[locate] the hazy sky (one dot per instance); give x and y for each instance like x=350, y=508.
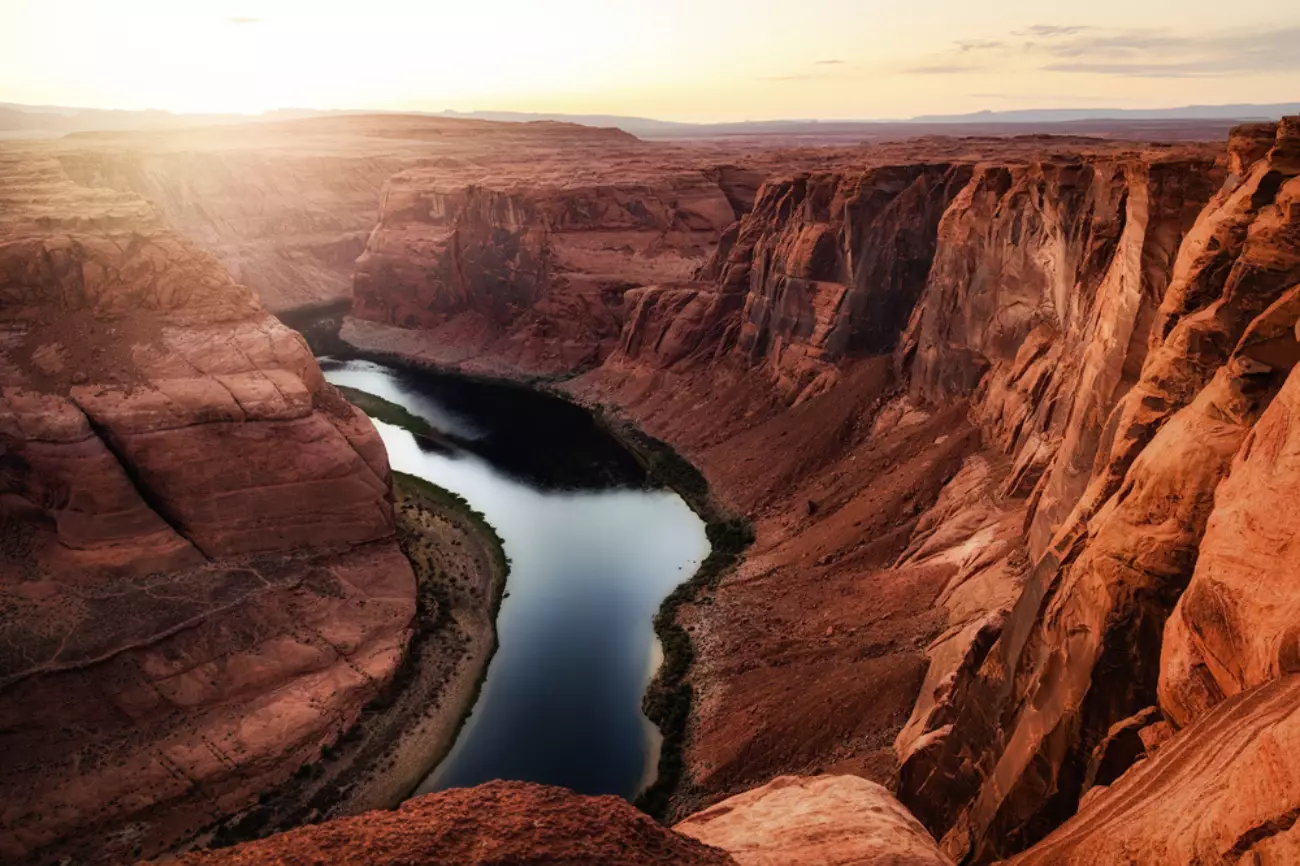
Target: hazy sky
x=673, y=59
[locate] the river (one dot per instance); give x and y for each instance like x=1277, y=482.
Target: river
x=593, y=552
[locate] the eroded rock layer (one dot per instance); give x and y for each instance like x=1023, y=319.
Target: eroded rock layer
x=492, y=825
x=1011, y=419
x=200, y=581
x=1116, y=329
x=533, y=275
x=830, y=820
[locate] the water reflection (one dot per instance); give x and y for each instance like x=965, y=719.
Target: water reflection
x=593, y=553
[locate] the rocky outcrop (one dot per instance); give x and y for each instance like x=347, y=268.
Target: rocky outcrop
x=830, y=820
x=1224, y=790
x=1080, y=651
x=200, y=578
x=533, y=275
x=288, y=207
x=492, y=825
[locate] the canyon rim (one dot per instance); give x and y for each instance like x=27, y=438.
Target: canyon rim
x=990, y=427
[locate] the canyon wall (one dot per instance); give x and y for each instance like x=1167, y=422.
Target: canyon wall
x=200, y=577
x=1011, y=420
x=531, y=275
x=288, y=207
x=283, y=207
x=981, y=412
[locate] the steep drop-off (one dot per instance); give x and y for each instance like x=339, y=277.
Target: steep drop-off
x=1011, y=419
x=981, y=411
x=530, y=275
x=201, y=584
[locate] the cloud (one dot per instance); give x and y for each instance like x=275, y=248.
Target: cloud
x=242, y=19
x=1048, y=31
x=1121, y=52
x=1158, y=54
x=828, y=62
x=942, y=69
x=965, y=46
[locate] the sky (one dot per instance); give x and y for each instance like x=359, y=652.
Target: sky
x=692, y=60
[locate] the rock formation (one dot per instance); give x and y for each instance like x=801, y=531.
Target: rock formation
x=830, y=820
x=497, y=823
x=1117, y=328
x=507, y=269
x=1011, y=419
x=827, y=820
x=200, y=578
x=972, y=550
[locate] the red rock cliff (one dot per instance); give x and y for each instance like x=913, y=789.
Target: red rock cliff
x=1117, y=323
x=201, y=583
x=533, y=273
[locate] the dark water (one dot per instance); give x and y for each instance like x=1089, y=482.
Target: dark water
x=593, y=553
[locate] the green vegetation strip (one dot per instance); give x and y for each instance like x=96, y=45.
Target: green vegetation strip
x=389, y=412
x=667, y=700
x=454, y=502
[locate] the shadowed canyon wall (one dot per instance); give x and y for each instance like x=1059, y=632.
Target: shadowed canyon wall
x=200, y=577
x=1011, y=419
x=981, y=412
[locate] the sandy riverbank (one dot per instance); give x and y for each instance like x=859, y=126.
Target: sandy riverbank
x=461, y=569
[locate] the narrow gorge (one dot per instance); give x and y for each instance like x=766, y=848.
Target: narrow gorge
x=1007, y=418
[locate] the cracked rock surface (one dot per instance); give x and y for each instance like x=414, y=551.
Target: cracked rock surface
x=199, y=582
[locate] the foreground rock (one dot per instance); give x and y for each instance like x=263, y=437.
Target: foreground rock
x=201, y=584
x=497, y=823
x=1224, y=790
x=829, y=820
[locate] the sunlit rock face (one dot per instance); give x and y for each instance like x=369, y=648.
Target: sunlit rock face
x=1092, y=640
x=1119, y=328
x=532, y=273
x=1010, y=418
x=834, y=820
x=200, y=575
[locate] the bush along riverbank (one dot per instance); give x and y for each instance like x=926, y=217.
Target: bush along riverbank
x=668, y=698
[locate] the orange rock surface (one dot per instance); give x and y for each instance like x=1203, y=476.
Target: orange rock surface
x=830, y=820
x=492, y=825
x=1011, y=419
x=200, y=579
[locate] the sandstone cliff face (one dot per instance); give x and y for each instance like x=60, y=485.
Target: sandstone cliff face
x=832, y=265
x=533, y=275
x=201, y=585
x=1122, y=325
x=1222, y=791
x=1003, y=284
x=1080, y=651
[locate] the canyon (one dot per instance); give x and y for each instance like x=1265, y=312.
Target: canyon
x=1009, y=418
